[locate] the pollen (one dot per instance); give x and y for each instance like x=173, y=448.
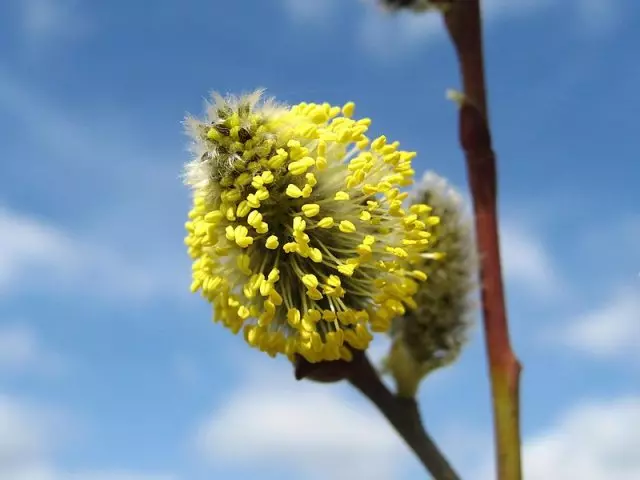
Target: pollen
x=297, y=230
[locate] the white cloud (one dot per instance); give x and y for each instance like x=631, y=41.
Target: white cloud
x=308, y=429
x=304, y=11
x=185, y=368
x=390, y=35
x=36, y=255
x=130, y=247
x=21, y=436
x=46, y=472
x=610, y=331
x=598, y=440
x=597, y=16
x=526, y=261
x=595, y=439
x=21, y=350
x=619, y=239
x=116, y=475
x=387, y=35
x=51, y=21
x=29, y=435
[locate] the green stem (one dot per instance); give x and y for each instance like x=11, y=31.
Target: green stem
x=463, y=22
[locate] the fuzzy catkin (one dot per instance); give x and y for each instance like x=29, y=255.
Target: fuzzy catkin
x=432, y=335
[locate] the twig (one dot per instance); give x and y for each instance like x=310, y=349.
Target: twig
x=404, y=415
x=463, y=22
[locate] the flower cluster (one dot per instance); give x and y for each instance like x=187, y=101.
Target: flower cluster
x=298, y=233
x=432, y=335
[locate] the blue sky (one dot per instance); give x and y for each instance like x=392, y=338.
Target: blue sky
x=110, y=370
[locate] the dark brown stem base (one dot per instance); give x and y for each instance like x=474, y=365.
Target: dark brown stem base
x=404, y=415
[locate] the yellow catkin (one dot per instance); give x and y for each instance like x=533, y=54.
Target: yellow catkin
x=303, y=249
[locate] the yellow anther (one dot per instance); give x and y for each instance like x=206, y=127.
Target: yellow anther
x=326, y=222
x=311, y=209
x=243, y=263
x=274, y=275
x=319, y=116
x=301, y=166
x=255, y=218
x=321, y=163
x=213, y=217
x=347, y=227
x=348, y=109
x=293, y=317
x=242, y=237
x=265, y=288
x=369, y=189
x=365, y=216
x=243, y=312
x=419, y=275
x=311, y=179
x=293, y=191
x=347, y=269
x=314, y=294
x=272, y=242
x=267, y=177
x=364, y=143
x=262, y=194
x=262, y=228
x=310, y=280
x=252, y=201
x=379, y=142
x=257, y=182
x=341, y=196
x=328, y=315
x=290, y=247
x=243, y=209
x=314, y=315
x=315, y=255
x=306, y=191
x=299, y=224
x=275, y=297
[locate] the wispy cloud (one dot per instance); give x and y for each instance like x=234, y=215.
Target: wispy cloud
x=308, y=429
x=304, y=11
x=387, y=35
x=130, y=245
x=595, y=440
x=47, y=23
x=598, y=17
x=609, y=331
x=527, y=262
x=35, y=255
x=22, y=351
x=30, y=436
x=26, y=434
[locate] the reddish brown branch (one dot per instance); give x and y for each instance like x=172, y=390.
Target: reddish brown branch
x=463, y=22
